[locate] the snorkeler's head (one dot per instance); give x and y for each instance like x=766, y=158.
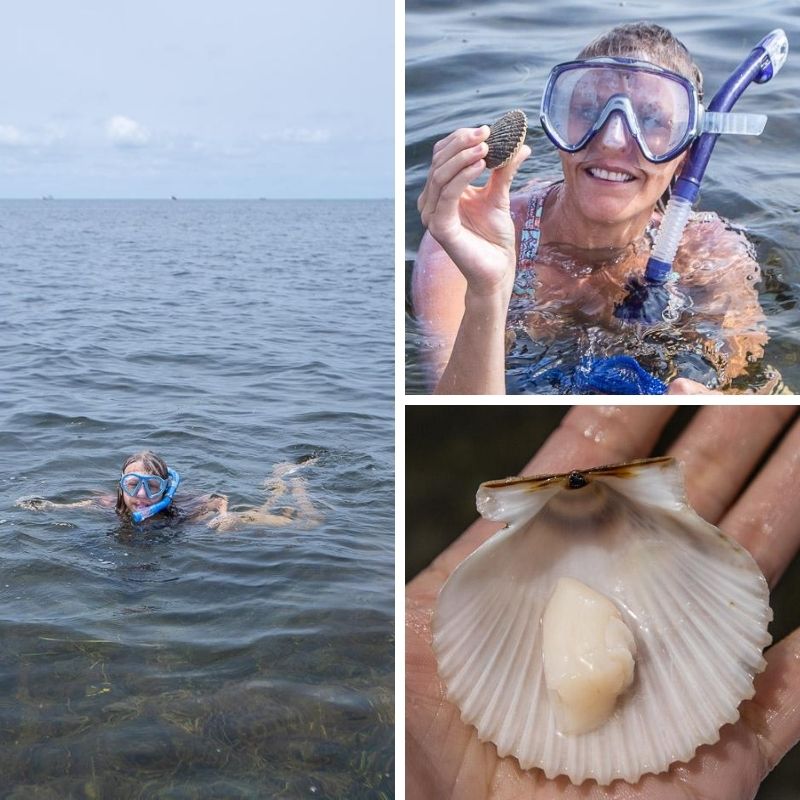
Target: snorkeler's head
x=648, y=42
x=141, y=493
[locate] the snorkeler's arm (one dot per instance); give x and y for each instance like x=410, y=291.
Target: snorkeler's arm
x=471, y=232
x=206, y=505
x=41, y=504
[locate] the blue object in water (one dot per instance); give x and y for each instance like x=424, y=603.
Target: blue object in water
x=618, y=374
x=648, y=298
x=174, y=481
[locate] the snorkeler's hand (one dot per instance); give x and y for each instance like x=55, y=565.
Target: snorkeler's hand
x=687, y=386
x=720, y=449
x=472, y=224
x=35, y=504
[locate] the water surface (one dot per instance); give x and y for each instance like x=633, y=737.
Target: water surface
x=227, y=336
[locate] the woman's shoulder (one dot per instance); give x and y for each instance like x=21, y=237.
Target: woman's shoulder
x=710, y=238
x=535, y=189
x=715, y=252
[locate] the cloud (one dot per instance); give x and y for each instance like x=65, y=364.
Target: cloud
x=126, y=132
x=299, y=135
x=11, y=136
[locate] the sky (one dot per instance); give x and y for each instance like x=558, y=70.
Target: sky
x=208, y=98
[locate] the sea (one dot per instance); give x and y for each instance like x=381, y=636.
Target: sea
x=174, y=661
x=467, y=63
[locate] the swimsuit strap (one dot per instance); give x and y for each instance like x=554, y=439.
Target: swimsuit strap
x=531, y=229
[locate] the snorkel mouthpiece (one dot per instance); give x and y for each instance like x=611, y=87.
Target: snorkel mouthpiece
x=174, y=481
x=647, y=301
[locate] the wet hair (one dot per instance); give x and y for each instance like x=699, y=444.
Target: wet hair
x=655, y=43
x=153, y=464
x=658, y=46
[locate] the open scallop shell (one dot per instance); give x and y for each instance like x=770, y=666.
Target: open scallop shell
x=505, y=138
x=696, y=602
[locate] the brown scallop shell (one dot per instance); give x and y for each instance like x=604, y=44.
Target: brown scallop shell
x=506, y=137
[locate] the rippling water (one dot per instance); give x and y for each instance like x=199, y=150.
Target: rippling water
x=227, y=336
x=470, y=62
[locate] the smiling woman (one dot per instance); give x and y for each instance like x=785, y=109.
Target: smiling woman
x=549, y=270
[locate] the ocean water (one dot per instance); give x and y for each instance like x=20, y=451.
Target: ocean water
x=467, y=63
x=227, y=336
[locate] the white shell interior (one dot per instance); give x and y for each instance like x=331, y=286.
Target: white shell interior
x=695, y=601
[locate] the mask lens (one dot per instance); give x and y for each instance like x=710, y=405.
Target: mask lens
x=662, y=110
x=129, y=484
x=154, y=486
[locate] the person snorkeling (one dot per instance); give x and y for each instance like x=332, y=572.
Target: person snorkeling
x=505, y=283
x=147, y=487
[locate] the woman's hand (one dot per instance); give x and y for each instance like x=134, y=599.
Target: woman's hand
x=737, y=478
x=472, y=224
x=688, y=386
x=35, y=504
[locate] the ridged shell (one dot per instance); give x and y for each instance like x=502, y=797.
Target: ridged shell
x=696, y=602
x=505, y=138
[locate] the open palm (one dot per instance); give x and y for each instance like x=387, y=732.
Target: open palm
x=719, y=450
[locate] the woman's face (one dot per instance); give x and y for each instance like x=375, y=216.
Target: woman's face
x=610, y=178
x=140, y=500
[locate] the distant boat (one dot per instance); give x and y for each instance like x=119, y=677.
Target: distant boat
x=47, y=197
x=173, y=197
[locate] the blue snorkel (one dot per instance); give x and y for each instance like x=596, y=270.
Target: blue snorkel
x=648, y=300
x=174, y=482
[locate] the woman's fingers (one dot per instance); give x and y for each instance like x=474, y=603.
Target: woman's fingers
x=592, y=436
x=774, y=713
x=441, y=212
x=589, y=436
x=765, y=518
x=444, y=151
x=721, y=447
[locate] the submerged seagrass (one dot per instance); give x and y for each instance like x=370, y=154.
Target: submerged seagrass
x=683, y=612
x=505, y=138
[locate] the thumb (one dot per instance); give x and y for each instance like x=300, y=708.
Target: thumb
x=499, y=184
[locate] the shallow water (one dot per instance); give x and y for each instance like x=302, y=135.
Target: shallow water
x=227, y=336
x=467, y=64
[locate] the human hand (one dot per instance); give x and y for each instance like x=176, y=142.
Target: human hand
x=688, y=386
x=34, y=504
x=719, y=449
x=472, y=224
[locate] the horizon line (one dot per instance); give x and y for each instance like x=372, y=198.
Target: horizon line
x=49, y=198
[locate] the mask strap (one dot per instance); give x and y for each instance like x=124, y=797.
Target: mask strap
x=733, y=122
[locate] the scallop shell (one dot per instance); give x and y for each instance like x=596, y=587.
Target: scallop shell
x=505, y=138
x=695, y=600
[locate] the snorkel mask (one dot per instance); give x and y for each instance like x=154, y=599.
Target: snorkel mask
x=154, y=486
x=660, y=108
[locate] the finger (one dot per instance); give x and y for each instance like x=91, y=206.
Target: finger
x=721, y=447
x=458, y=140
x=500, y=181
x=441, y=177
x=445, y=150
x=764, y=518
x=589, y=436
x=774, y=713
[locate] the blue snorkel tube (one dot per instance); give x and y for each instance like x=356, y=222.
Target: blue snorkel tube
x=648, y=300
x=174, y=482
